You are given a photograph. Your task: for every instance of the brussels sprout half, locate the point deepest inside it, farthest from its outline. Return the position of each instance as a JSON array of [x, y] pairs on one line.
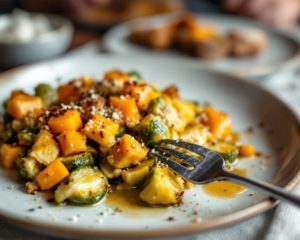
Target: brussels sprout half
[[86, 185]]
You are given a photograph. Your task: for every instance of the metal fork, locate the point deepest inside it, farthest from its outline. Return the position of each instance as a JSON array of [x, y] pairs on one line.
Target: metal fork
[[210, 168]]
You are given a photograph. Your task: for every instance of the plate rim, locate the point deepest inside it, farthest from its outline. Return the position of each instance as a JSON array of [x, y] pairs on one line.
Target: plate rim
[[251, 71], [185, 229]]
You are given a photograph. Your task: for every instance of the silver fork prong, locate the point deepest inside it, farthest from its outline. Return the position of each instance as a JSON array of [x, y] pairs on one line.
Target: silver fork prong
[[183, 171], [189, 146], [187, 158]]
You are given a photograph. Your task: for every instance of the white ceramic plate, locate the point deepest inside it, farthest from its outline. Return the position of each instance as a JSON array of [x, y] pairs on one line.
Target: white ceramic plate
[[248, 105], [281, 49]]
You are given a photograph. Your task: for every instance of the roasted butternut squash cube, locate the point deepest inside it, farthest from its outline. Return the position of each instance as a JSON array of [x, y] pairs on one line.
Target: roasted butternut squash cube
[[9, 155], [247, 150], [126, 151], [219, 123], [116, 75], [73, 89], [70, 120], [128, 107], [21, 104], [101, 130], [72, 142], [67, 92], [172, 91], [52, 175], [45, 149], [142, 93]]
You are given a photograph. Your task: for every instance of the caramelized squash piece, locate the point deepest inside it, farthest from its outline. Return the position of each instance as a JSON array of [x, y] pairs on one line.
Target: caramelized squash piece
[[142, 93], [9, 155], [126, 152], [21, 104], [101, 130], [128, 107], [116, 74], [52, 175], [72, 142], [219, 123], [247, 150], [70, 120], [72, 90], [172, 91]]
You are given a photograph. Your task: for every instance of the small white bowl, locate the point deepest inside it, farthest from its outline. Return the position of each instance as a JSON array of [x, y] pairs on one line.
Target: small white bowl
[[47, 46]]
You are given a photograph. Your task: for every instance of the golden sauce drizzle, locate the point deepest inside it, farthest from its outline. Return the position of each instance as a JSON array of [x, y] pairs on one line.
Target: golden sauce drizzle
[[129, 203], [224, 189]]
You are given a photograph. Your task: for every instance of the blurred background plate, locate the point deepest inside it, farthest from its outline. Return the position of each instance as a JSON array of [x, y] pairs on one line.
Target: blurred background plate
[[282, 48], [120, 11], [50, 45]]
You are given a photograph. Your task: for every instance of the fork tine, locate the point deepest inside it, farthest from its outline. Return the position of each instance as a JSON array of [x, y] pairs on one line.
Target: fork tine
[[183, 156], [189, 146], [183, 171]]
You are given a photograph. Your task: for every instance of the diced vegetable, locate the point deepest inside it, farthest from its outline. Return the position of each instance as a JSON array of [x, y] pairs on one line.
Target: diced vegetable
[[219, 123], [126, 152], [72, 142], [72, 90], [116, 75], [134, 176], [152, 129], [47, 93], [157, 106], [102, 131], [135, 76], [163, 107], [85, 185], [172, 91], [142, 93], [20, 105], [28, 168], [228, 151], [70, 120], [185, 109], [247, 150], [114, 81], [196, 133], [79, 160], [163, 187], [9, 155], [27, 135], [109, 171], [68, 92], [128, 107], [52, 175], [45, 149]]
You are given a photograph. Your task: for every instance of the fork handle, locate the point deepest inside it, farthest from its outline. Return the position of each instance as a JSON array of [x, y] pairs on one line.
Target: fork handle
[[275, 191]]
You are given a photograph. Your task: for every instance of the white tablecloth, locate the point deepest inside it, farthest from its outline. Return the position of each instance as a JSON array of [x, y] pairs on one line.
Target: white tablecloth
[[277, 224]]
